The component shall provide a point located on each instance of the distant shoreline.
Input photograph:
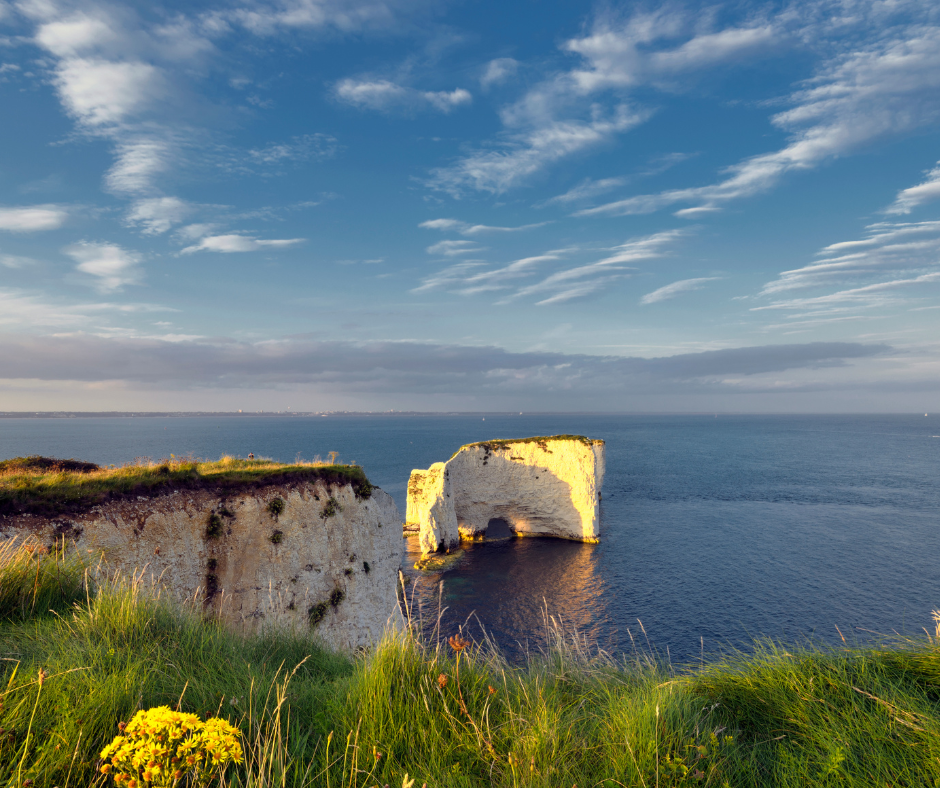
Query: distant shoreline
(64, 414)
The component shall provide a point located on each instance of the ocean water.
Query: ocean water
(715, 531)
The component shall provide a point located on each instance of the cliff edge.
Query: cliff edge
(282, 547)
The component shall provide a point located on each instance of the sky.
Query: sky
(411, 205)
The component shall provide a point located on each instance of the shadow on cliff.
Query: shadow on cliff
(522, 505)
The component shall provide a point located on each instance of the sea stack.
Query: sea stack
(543, 486)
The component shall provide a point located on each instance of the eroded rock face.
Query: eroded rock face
(539, 486)
(300, 555)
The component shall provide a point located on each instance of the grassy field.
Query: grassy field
(46, 486)
(79, 659)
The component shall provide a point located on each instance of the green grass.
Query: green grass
(45, 486)
(854, 716)
(498, 444)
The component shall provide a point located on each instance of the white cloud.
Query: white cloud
(625, 54)
(139, 160)
(32, 219)
(98, 92)
(15, 261)
(526, 153)
(575, 281)
(19, 309)
(302, 148)
(113, 266)
(468, 279)
(869, 295)
(239, 243)
(77, 34)
(385, 96)
(894, 265)
(587, 279)
(267, 18)
(587, 189)
(156, 215)
(674, 289)
(887, 89)
(465, 228)
(915, 196)
(902, 249)
(454, 248)
(498, 71)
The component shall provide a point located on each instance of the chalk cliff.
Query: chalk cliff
(539, 486)
(307, 554)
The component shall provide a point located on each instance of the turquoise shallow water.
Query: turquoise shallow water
(714, 530)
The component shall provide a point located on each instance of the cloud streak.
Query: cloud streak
(465, 228)
(676, 288)
(33, 218)
(234, 242)
(385, 96)
(112, 266)
(888, 88)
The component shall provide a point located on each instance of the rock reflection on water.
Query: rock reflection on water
(505, 585)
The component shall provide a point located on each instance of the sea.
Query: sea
(717, 531)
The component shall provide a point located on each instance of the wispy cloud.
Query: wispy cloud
(869, 295)
(498, 71)
(553, 286)
(234, 242)
(468, 279)
(385, 96)
(586, 190)
(303, 148)
(32, 218)
(893, 264)
(588, 105)
(886, 88)
(584, 280)
(676, 288)
(915, 196)
(15, 261)
(112, 266)
(896, 248)
(526, 152)
(156, 215)
(454, 248)
(465, 228)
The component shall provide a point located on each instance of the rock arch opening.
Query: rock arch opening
(498, 528)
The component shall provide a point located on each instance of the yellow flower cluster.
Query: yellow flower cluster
(160, 747)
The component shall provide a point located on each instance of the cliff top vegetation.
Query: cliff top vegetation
(48, 486)
(501, 443)
(82, 657)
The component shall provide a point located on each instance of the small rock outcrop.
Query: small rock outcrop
(309, 554)
(539, 486)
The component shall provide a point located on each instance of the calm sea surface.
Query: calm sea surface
(714, 530)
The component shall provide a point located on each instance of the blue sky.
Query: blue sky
(386, 204)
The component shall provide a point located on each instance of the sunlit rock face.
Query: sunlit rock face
(306, 556)
(539, 486)
(430, 508)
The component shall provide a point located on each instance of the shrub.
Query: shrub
(317, 612)
(214, 527)
(276, 507)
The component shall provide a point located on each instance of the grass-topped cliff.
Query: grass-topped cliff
(48, 486)
(76, 661)
(542, 440)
